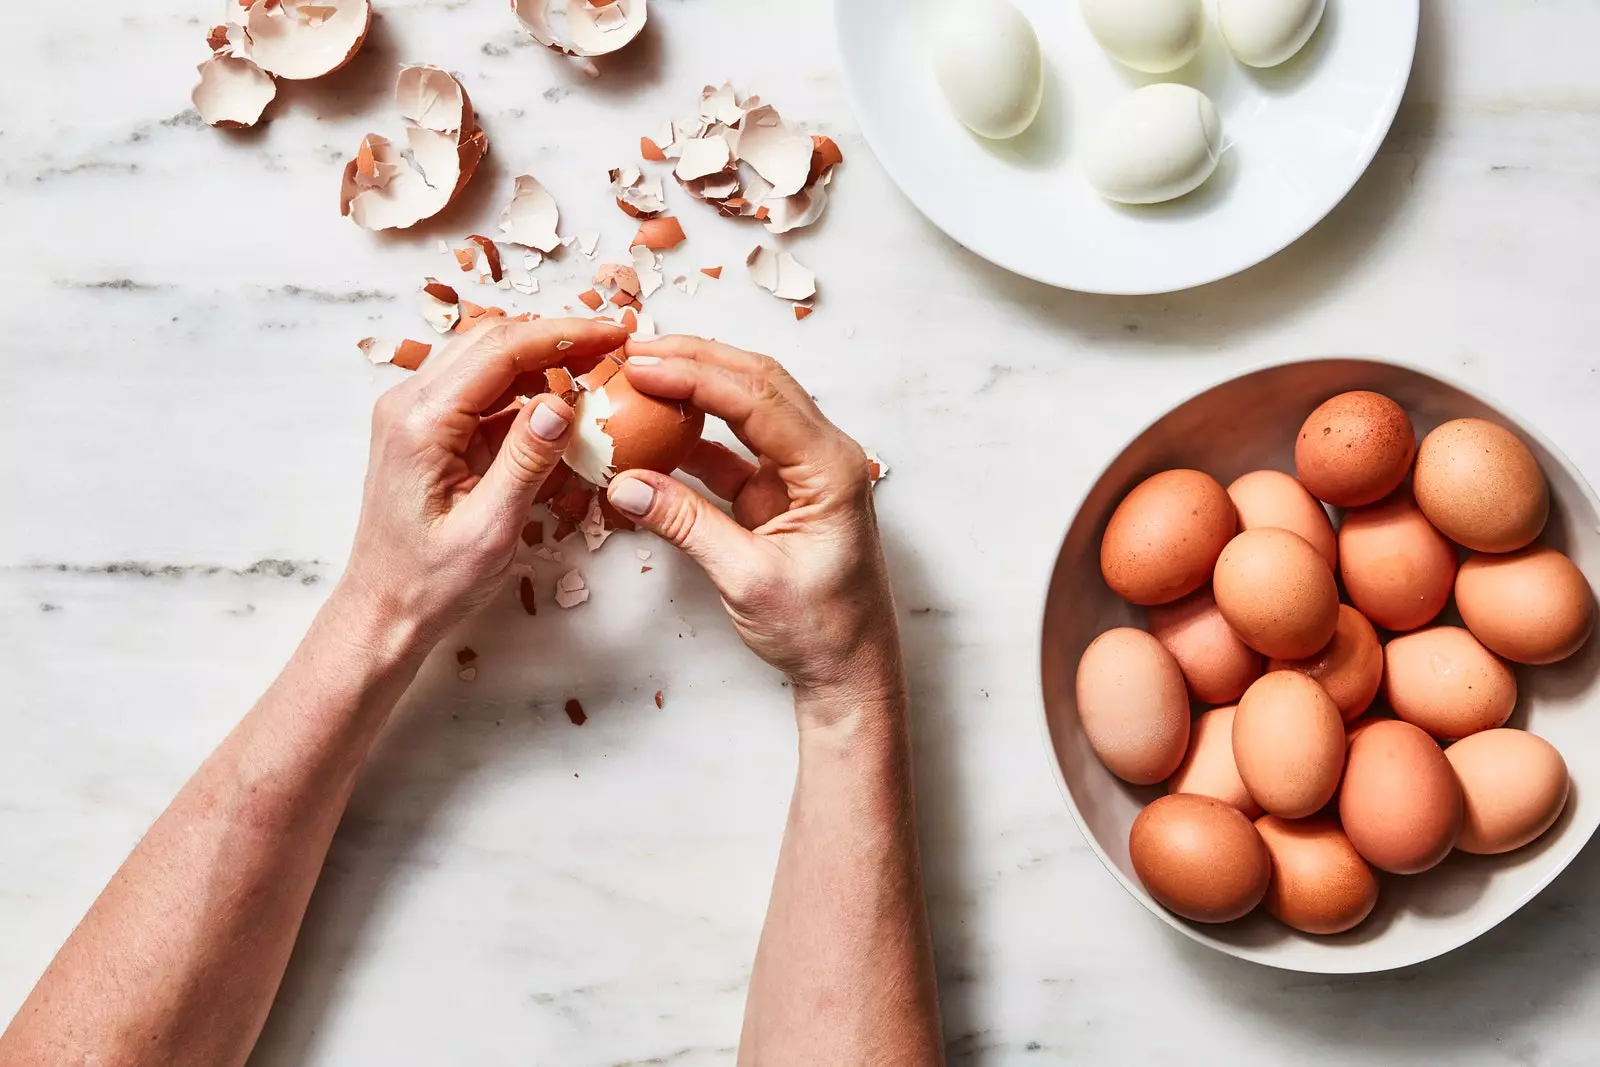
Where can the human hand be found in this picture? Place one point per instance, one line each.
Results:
(455, 464)
(801, 571)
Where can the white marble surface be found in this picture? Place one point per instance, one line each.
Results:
(181, 389)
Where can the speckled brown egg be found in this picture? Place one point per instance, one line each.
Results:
(1349, 668)
(1288, 743)
(1530, 606)
(1275, 499)
(1133, 705)
(1355, 449)
(1443, 680)
(1199, 857)
(1208, 767)
(1400, 804)
(1396, 567)
(1165, 536)
(1480, 485)
(1514, 785)
(1216, 664)
(1277, 593)
(1320, 884)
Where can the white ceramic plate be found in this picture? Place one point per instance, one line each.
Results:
(1297, 137)
(1246, 424)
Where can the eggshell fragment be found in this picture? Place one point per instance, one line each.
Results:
(1288, 743)
(1514, 786)
(1349, 667)
(1216, 664)
(581, 28)
(1400, 805)
(1199, 858)
(659, 234)
(780, 274)
(233, 92)
(638, 195)
(1164, 538)
(1277, 593)
(1481, 486)
(1396, 567)
(1530, 606)
(1355, 449)
(301, 39)
(618, 428)
(1265, 33)
(1444, 681)
(1274, 499)
(531, 217)
(1133, 706)
(1208, 767)
(1320, 884)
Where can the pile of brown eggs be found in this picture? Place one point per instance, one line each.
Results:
(1299, 781)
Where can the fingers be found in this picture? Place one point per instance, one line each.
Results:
(667, 507)
(530, 451)
(723, 470)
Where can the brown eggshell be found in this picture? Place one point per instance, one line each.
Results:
(1354, 730)
(1396, 567)
(1199, 857)
(1217, 665)
(1133, 705)
(1531, 606)
(649, 433)
(1208, 767)
(1277, 593)
(1354, 449)
(1165, 536)
(1480, 485)
(1320, 884)
(1444, 681)
(1400, 804)
(1288, 743)
(1349, 667)
(1514, 785)
(1275, 499)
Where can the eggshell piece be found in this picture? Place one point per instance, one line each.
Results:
(1354, 449)
(1133, 706)
(1514, 786)
(1480, 485)
(987, 61)
(1164, 538)
(618, 428)
(1400, 805)
(1208, 768)
(1216, 664)
(1397, 568)
(1199, 858)
(1265, 33)
(1320, 884)
(1288, 743)
(1153, 36)
(1349, 667)
(1274, 499)
(1531, 606)
(1155, 144)
(1277, 593)
(1444, 681)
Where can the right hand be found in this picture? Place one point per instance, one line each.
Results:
(801, 571)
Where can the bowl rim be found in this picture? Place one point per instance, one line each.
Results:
(1471, 931)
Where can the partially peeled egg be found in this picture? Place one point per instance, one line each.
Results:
(987, 61)
(1155, 144)
(617, 428)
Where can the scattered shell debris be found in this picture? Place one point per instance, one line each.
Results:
(531, 218)
(659, 234)
(576, 714)
(877, 468)
(407, 355)
(780, 274)
(571, 589)
(233, 92)
(526, 596)
(302, 39)
(468, 674)
(441, 307)
(638, 195)
(581, 27)
(465, 655)
(660, 699)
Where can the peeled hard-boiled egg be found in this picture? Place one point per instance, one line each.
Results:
(616, 428)
(987, 61)
(1157, 143)
(1154, 36)
(1264, 33)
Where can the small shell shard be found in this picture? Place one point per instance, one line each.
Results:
(530, 219)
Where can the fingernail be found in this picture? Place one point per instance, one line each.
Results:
(632, 495)
(644, 361)
(546, 424)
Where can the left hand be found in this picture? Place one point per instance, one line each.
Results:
(453, 472)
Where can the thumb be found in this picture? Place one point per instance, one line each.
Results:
(667, 507)
(531, 450)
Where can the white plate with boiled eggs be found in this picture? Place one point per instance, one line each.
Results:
(1409, 785)
(1085, 174)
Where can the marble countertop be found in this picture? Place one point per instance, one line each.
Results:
(182, 400)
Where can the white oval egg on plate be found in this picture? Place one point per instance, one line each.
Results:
(1265, 33)
(1155, 144)
(987, 60)
(1154, 36)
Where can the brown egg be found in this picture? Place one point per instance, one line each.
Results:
(1400, 804)
(1355, 449)
(1217, 665)
(1275, 499)
(1133, 705)
(1320, 884)
(1165, 536)
(616, 428)
(1199, 857)
(1480, 485)
(1277, 593)
(1288, 743)
(1396, 567)
(1444, 681)
(1354, 730)
(1531, 606)
(1208, 767)
(1350, 667)
(1514, 785)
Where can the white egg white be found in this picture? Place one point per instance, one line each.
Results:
(987, 61)
(1155, 144)
(1154, 36)
(1264, 33)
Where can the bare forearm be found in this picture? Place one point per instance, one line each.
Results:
(178, 960)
